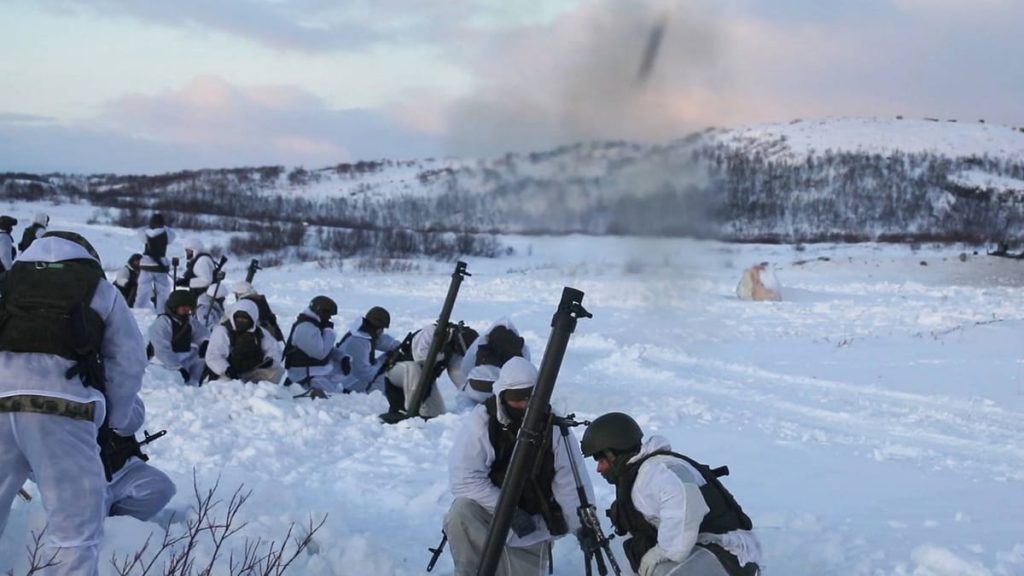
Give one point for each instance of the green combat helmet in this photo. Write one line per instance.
(323, 307)
(378, 317)
(615, 432)
(181, 298)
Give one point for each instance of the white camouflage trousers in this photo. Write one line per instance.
(406, 375)
(139, 490)
(467, 524)
(152, 283)
(64, 458)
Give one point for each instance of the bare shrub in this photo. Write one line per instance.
(209, 528)
(384, 265)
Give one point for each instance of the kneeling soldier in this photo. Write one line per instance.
(177, 339)
(681, 519)
(239, 349)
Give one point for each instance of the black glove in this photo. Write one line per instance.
(587, 539)
(522, 523)
(231, 372)
(115, 450)
(185, 375)
(267, 363)
(439, 369)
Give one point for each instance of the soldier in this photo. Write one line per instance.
(178, 339)
(154, 285)
(240, 349)
(34, 230)
(201, 269)
(7, 250)
(127, 280)
(310, 356)
(60, 320)
(681, 519)
(366, 337)
(477, 467)
(405, 373)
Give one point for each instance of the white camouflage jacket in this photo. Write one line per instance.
(123, 351)
(667, 493)
(220, 342)
(471, 456)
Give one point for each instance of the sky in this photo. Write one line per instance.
(148, 87)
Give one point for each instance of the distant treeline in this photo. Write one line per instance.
(694, 187)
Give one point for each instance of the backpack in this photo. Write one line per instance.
(156, 246)
(46, 309)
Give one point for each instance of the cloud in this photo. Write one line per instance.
(578, 79)
(18, 118)
(212, 123)
(302, 25)
(736, 62)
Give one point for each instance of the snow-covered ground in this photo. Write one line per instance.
(873, 420)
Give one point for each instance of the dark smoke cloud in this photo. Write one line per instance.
(577, 79)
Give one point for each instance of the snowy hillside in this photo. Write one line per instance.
(844, 179)
(873, 420)
(881, 136)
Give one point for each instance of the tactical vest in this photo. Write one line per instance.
(156, 246)
(538, 495)
(190, 272)
(46, 309)
(181, 333)
(725, 514)
(295, 357)
(28, 236)
(246, 351)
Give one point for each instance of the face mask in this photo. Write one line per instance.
(515, 414)
(242, 322)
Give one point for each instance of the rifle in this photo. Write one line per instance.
(250, 273)
(435, 553)
(427, 377)
(535, 426)
(115, 450)
(586, 511)
(219, 277)
(395, 356)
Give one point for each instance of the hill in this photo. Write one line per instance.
(845, 179)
